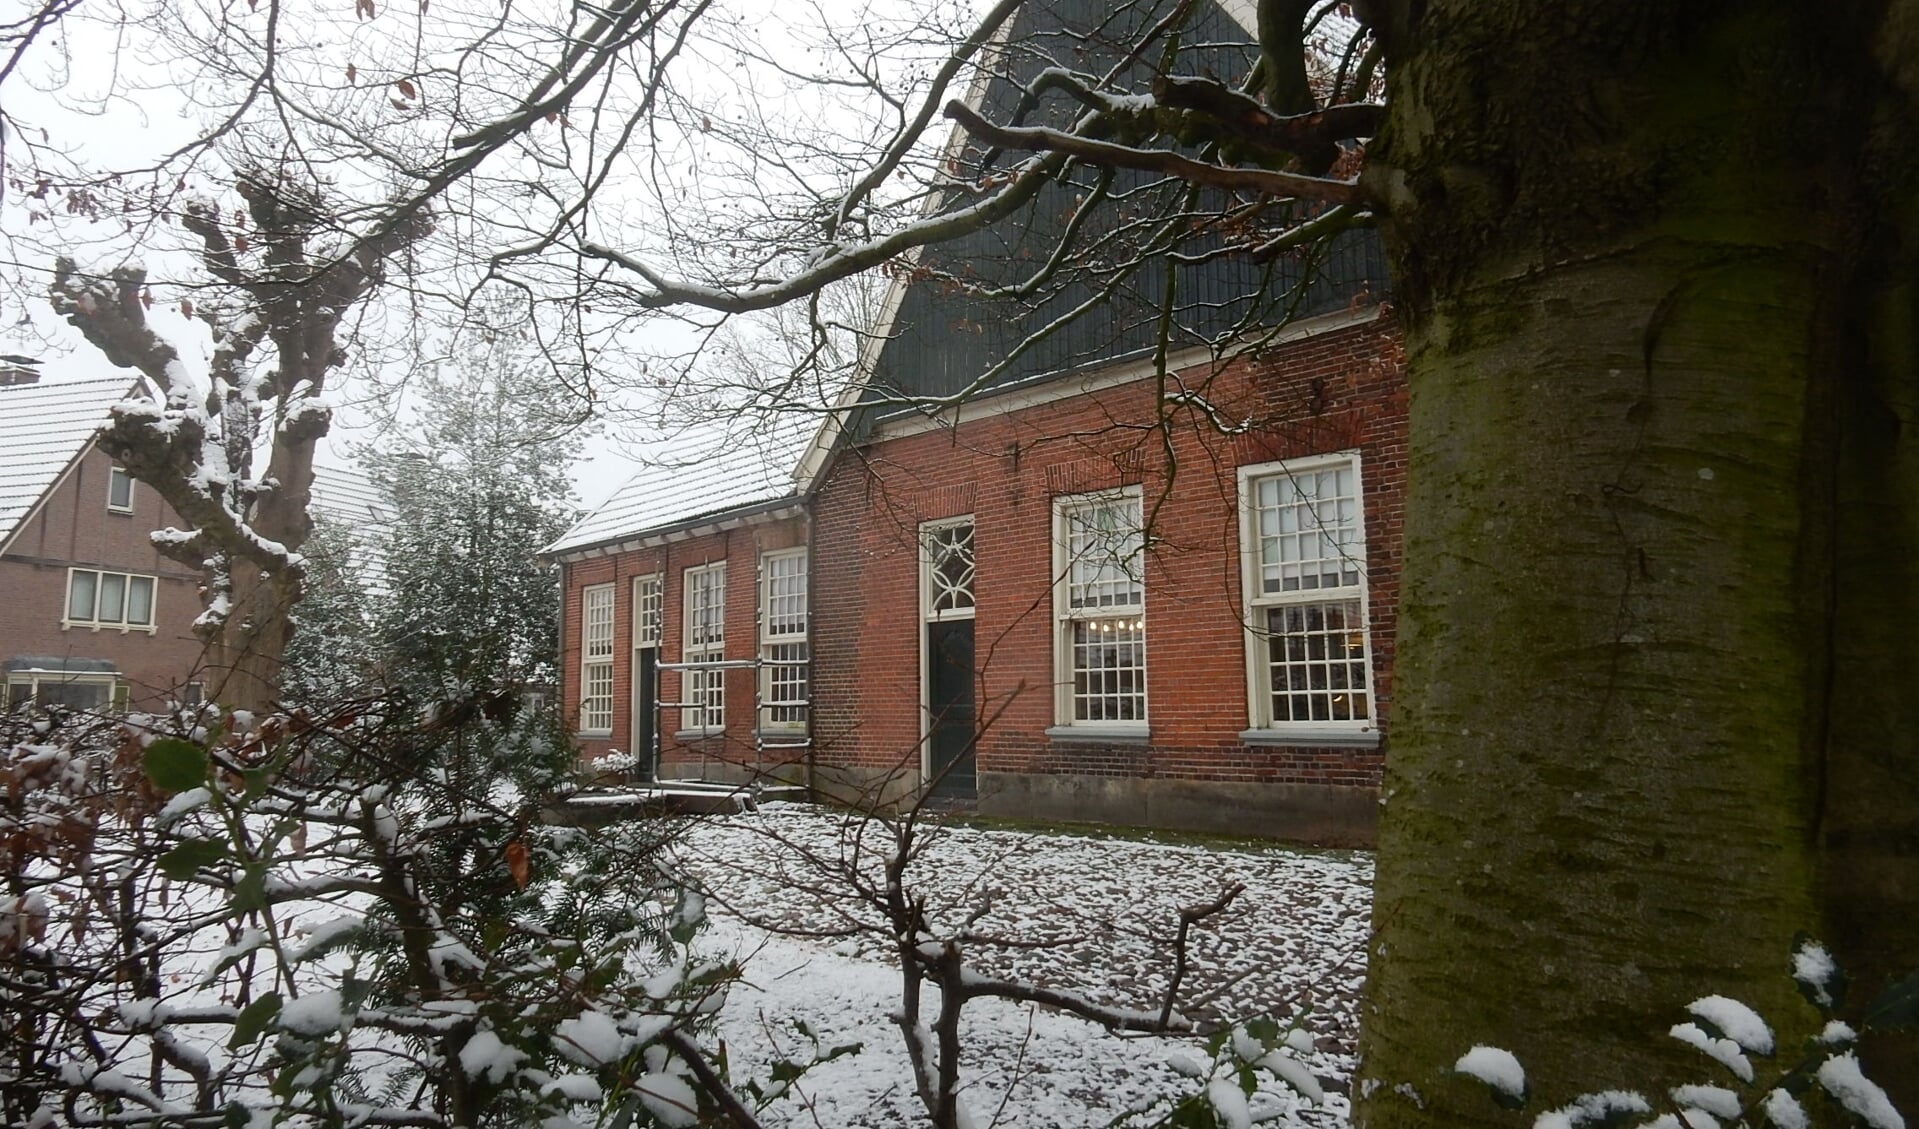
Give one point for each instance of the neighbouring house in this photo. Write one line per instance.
(1103, 572)
(91, 614)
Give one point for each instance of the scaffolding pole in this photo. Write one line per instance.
(763, 706)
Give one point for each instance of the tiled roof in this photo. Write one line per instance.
(351, 498)
(44, 427)
(352, 501)
(717, 469)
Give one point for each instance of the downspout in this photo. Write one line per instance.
(559, 652)
(812, 652)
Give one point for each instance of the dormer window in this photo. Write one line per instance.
(119, 491)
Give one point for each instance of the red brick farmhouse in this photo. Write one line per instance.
(1116, 568)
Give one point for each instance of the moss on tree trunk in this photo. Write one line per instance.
(1631, 254)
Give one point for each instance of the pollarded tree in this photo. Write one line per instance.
(479, 485)
(229, 444)
(346, 152)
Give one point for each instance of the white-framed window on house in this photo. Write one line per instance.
(1099, 545)
(97, 599)
(1308, 653)
(784, 648)
(704, 641)
(946, 569)
(649, 607)
(119, 490)
(97, 692)
(596, 660)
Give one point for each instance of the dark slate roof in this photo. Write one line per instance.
(945, 339)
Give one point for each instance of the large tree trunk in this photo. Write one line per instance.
(247, 656)
(1656, 633)
(1870, 818)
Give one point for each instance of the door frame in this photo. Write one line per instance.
(644, 752)
(924, 618)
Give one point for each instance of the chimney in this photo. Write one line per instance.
(15, 369)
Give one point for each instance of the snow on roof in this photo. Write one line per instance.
(351, 498)
(730, 465)
(44, 427)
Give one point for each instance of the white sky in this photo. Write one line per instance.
(150, 114)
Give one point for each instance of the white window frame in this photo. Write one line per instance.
(1348, 587)
(1124, 617)
(649, 610)
(117, 474)
(123, 623)
(931, 591)
(696, 645)
(932, 588)
(119, 693)
(597, 606)
(785, 645)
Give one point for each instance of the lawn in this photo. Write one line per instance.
(1085, 912)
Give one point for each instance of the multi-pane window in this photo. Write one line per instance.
(119, 490)
(596, 659)
(1100, 540)
(648, 605)
(93, 692)
(783, 639)
(1306, 594)
(704, 642)
(947, 569)
(109, 599)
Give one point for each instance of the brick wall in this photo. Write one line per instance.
(740, 549)
(74, 528)
(1343, 389)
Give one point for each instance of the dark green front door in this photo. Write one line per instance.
(949, 699)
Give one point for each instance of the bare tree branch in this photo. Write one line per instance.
(1105, 153)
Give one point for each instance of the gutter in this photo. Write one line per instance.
(787, 505)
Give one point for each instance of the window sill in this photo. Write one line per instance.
(594, 734)
(687, 736)
(1310, 737)
(1100, 734)
(767, 734)
(96, 628)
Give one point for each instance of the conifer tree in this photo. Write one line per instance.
(479, 485)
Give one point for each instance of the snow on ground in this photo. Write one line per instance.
(1089, 913)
